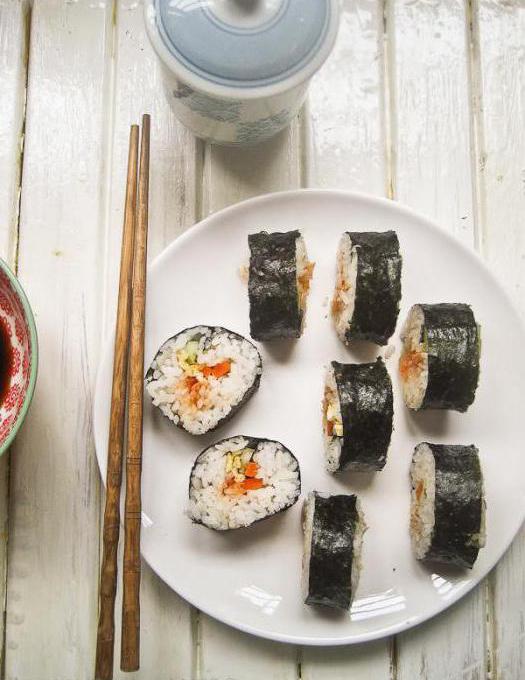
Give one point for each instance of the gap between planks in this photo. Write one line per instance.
(478, 158)
(477, 143)
(388, 108)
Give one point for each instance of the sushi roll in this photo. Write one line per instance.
(242, 480)
(368, 286)
(333, 534)
(203, 375)
(439, 365)
(358, 409)
(278, 283)
(447, 512)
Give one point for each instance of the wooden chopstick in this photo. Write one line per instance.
(108, 573)
(129, 653)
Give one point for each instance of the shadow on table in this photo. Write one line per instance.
(255, 167)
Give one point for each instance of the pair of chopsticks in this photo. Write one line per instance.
(128, 372)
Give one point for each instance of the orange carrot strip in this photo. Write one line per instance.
(218, 370)
(252, 483)
(236, 489)
(251, 469)
(410, 361)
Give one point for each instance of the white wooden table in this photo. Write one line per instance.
(422, 101)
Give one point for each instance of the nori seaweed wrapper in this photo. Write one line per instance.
(367, 411)
(450, 336)
(378, 286)
(272, 286)
(458, 505)
(335, 519)
(252, 389)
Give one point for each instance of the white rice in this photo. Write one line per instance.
(422, 518)
(357, 543)
(389, 352)
(414, 384)
(278, 470)
(308, 525)
(216, 396)
(333, 443)
(480, 538)
(343, 302)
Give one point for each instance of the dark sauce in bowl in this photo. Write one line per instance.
(6, 360)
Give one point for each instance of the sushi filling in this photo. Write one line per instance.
(200, 375)
(241, 473)
(238, 481)
(422, 502)
(332, 423)
(413, 363)
(305, 270)
(343, 302)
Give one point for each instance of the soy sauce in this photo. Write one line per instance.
(6, 360)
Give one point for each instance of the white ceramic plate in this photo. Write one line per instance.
(250, 578)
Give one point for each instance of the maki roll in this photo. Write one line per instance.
(333, 533)
(358, 409)
(242, 480)
(203, 375)
(447, 513)
(278, 284)
(368, 286)
(439, 365)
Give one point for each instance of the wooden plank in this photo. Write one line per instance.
(346, 134)
(227, 654)
(346, 150)
(234, 174)
(499, 74)
(54, 510)
(14, 27)
(451, 645)
(166, 638)
(231, 175)
(358, 662)
(14, 36)
(431, 115)
(432, 173)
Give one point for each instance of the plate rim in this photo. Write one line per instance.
(192, 232)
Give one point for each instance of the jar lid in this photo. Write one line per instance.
(243, 43)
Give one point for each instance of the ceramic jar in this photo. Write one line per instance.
(237, 71)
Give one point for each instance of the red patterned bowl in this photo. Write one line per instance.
(18, 354)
